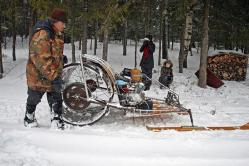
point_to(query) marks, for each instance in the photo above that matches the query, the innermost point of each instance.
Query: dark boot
(147, 88)
(56, 119)
(147, 85)
(57, 123)
(29, 119)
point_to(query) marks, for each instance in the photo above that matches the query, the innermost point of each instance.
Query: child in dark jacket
(166, 77)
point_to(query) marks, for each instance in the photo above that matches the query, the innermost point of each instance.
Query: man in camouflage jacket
(44, 68)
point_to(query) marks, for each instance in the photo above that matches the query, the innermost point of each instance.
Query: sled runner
(197, 128)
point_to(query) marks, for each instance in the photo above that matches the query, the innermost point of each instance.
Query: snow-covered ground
(118, 140)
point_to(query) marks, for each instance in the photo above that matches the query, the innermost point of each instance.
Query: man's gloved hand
(57, 84)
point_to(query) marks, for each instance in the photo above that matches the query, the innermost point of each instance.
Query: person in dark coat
(166, 77)
(44, 68)
(147, 61)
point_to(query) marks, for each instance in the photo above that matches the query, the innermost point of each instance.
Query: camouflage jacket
(45, 57)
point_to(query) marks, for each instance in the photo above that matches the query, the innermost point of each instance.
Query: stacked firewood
(229, 66)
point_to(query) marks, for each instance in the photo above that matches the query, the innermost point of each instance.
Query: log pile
(229, 66)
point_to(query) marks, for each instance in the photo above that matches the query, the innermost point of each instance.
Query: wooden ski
(198, 128)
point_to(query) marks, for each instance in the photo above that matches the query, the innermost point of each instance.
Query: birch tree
(186, 35)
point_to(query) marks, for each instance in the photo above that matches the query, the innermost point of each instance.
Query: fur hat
(146, 39)
(168, 62)
(59, 15)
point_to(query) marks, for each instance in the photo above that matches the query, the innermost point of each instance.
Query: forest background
(192, 23)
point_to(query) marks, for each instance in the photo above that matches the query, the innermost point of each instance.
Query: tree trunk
(4, 34)
(135, 49)
(190, 49)
(125, 38)
(72, 5)
(95, 36)
(172, 40)
(1, 60)
(84, 24)
(168, 38)
(187, 34)
(164, 31)
(13, 17)
(1, 55)
(84, 37)
(24, 20)
(160, 35)
(105, 44)
(5, 41)
(146, 18)
(204, 48)
(181, 53)
(91, 42)
(106, 26)
(73, 40)
(32, 22)
(26, 23)
(80, 42)
(246, 49)
(164, 42)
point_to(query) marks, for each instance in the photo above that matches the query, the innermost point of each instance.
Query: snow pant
(166, 80)
(148, 73)
(54, 100)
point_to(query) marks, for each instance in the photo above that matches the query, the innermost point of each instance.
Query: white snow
(118, 140)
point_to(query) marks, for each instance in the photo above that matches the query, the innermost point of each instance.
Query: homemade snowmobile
(91, 88)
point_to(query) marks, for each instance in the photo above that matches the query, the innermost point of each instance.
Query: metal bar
(83, 76)
(191, 117)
